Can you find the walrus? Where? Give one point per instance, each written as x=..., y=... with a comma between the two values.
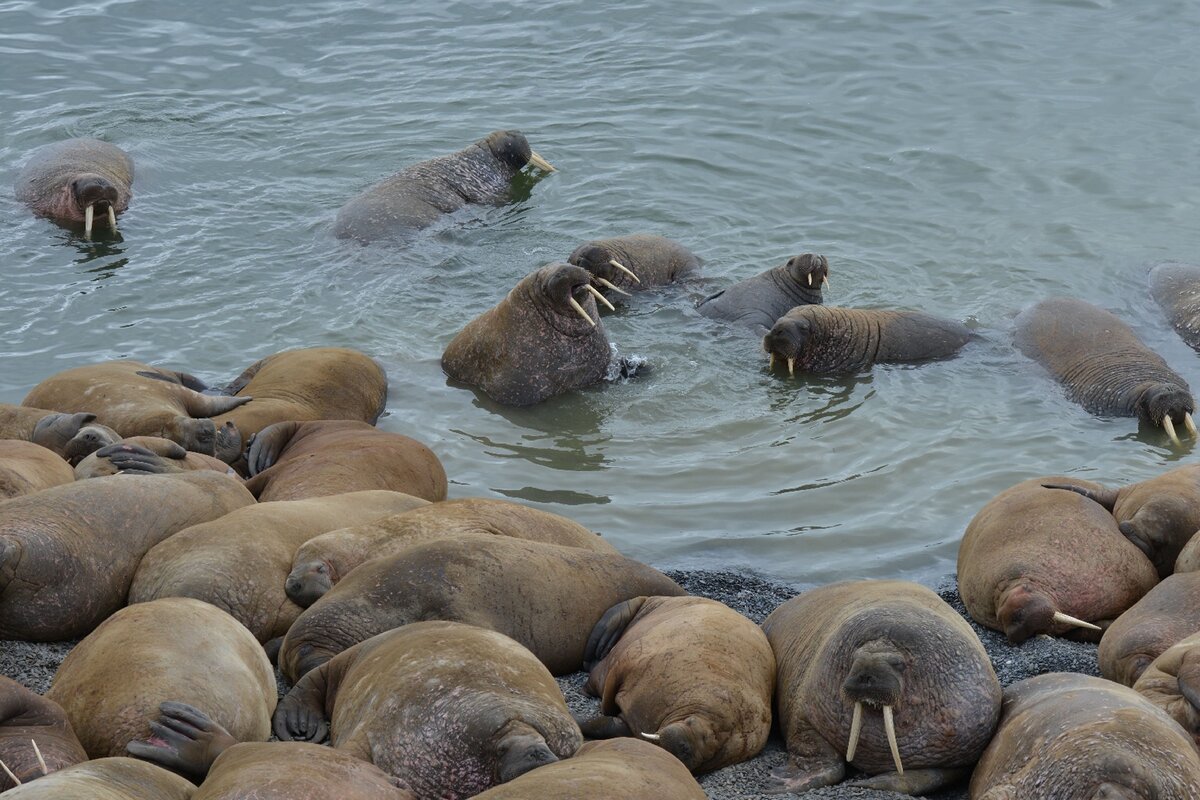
x=898, y=650
x=323, y=560
x=35, y=735
x=1189, y=556
x=639, y=261
x=545, y=596
x=70, y=181
x=136, y=399
x=544, y=338
x=466, y=708
x=617, y=769
x=72, y=436
x=107, y=460
x=1169, y=612
x=1042, y=558
x=1065, y=736
x=27, y=468
x=173, y=648
x=418, y=195
x=1103, y=365
x=239, y=562
x=106, y=779
x=1176, y=287
x=296, y=460
x=827, y=339
x=68, y=554
x=759, y=301
x=688, y=673
x=1172, y=683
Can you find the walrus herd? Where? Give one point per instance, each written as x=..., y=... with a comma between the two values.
x=193, y=537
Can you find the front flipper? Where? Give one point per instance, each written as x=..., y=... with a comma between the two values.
x=300, y=715
x=913, y=781
x=794, y=777
x=608, y=630
x=138, y=460
x=201, y=406
x=1105, y=497
x=603, y=727
x=268, y=444
x=184, y=740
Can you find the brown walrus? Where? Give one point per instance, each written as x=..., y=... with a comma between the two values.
x=175, y=648
x=1169, y=612
x=1189, y=556
x=545, y=596
x=68, y=554
x=544, y=338
x=759, y=301
x=466, y=708
x=323, y=560
x=106, y=779
x=416, y=196
x=71, y=436
x=1065, y=736
x=239, y=562
x=27, y=718
x=638, y=261
x=169, y=456
x=688, y=673
x=1172, y=682
x=1103, y=365
x=1040, y=558
x=898, y=650
x=1176, y=287
x=27, y=468
x=136, y=399
x=827, y=339
x=69, y=181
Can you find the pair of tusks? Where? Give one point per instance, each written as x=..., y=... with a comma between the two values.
x=1169, y=427
x=90, y=211
x=599, y=298
x=791, y=365
x=1063, y=619
x=824, y=280
x=41, y=763
x=889, y=727
x=540, y=162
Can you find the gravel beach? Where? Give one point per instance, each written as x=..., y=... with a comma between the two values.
x=34, y=666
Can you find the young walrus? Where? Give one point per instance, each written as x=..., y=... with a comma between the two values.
x=1172, y=682
x=36, y=737
x=760, y=300
x=828, y=339
x=70, y=181
x=882, y=675
x=639, y=261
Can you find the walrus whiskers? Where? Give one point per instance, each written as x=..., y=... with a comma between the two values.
x=579, y=310
x=654, y=737
x=855, y=731
x=87, y=220
x=1065, y=619
x=600, y=298
x=607, y=284
x=889, y=726
x=624, y=269
x=112, y=219
x=41, y=761
x=9, y=773
x=540, y=162
x=1169, y=427
x=1190, y=424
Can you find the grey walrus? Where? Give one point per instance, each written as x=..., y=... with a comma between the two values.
x=70, y=181
x=35, y=735
x=544, y=338
x=417, y=195
x=827, y=339
x=851, y=653
x=638, y=261
x=1103, y=365
x=72, y=436
x=1176, y=287
x=760, y=300
x=1169, y=612
x=1172, y=682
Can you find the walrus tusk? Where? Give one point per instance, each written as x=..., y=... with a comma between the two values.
x=889, y=726
x=654, y=737
x=87, y=221
x=601, y=298
x=1064, y=619
x=624, y=269
x=1169, y=427
x=610, y=285
x=9, y=773
x=809, y=277
x=792, y=367
x=825, y=282
x=112, y=219
x=855, y=731
x=770, y=361
x=1190, y=424
x=540, y=162
x=41, y=761
x=579, y=310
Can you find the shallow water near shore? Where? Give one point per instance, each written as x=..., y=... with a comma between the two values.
x=962, y=159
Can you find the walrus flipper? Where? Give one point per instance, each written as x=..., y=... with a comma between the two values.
x=300, y=715
x=913, y=781
x=793, y=777
x=608, y=630
x=184, y=739
x=138, y=460
x=603, y=727
x=1105, y=497
x=266, y=446
x=201, y=406
x=1189, y=678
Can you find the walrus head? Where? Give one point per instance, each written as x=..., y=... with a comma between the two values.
x=91, y=192
x=88, y=440
x=809, y=270
x=309, y=581
x=520, y=748
x=55, y=431
x=606, y=266
x=1165, y=406
x=876, y=678
x=512, y=149
x=787, y=339
x=562, y=292
x=1024, y=613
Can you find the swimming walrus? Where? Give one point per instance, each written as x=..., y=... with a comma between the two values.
x=637, y=261
x=826, y=339
x=68, y=554
x=544, y=338
x=35, y=735
x=417, y=195
x=851, y=652
x=688, y=673
x=1041, y=558
x=136, y=399
x=324, y=560
x=239, y=562
x=1168, y=613
x=1172, y=682
x=545, y=596
x=170, y=457
x=1065, y=736
x=70, y=181
x=27, y=468
x=1103, y=365
x=759, y=301
x=1176, y=288
x=466, y=708
x=106, y=779
x=175, y=648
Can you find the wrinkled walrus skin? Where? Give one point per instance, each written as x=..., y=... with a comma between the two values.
x=68, y=554
x=759, y=301
x=61, y=180
x=1172, y=683
x=826, y=339
x=1101, y=362
x=27, y=717
x=295, y=771
x=889, y=647
x=1035, y=553
x=448, y=709
x=106, y=779
x=418, y=195
x=27, y=468
x=1064, y=736
x=533, y=344
x=1168, y=613
x=1176, y=288
x=653, y=260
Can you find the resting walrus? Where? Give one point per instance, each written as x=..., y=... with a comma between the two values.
x=71, y=436
x=417, y=195
x=1172, y=682
x=1176, y=287
x=106, y=779
x=851, y=652
x=1169, y=612
x=758, y=301
x=544, y=338
x=1103, y=365
x=170, y=457
x=27, y=468
x=26, y=720
x=827, y=339
x=69, y=181
x=638, y=261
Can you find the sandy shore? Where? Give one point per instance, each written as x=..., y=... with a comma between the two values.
x=34, y=666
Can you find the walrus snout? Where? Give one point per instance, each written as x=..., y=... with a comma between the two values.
x=786, y=339
x=809, y=269
x=308, y=582
x=92, y=189
x=1165, y=406
x=875, y=678
x=519, y=753
x=227, y=445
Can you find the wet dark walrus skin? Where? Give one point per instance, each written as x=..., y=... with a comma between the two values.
x=1176, y=287
x=760, y=300
x=655, y=260
x=62, y=179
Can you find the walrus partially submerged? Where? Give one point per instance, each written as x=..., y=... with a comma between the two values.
x=639, y=261
x=70, y=181
x=1176, y=288
x=758, y=301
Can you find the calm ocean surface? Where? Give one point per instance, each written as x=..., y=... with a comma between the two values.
x=966, y=159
